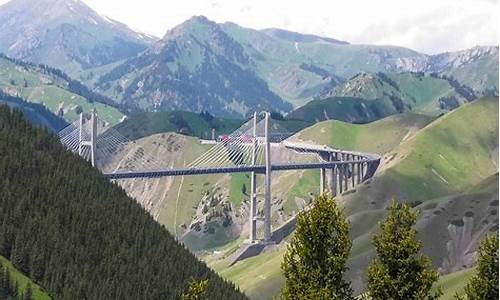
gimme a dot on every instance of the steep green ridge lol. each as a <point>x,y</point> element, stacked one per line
<point>36,113</point>
<point>452,154</point>
<point>65,220</point>
<point>52,88</point>
<point>23,281</point>
<point>378,137</point>
<point>367,97</point>
<point>188,123</point>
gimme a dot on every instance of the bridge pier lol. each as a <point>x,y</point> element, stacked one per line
<point>322,175</point>
<point>93,135</point>
<point>353,174</point>
<point>253,186</point>
<point>267,195</point>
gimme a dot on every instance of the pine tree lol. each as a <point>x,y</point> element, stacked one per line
<point>400,271</point>
<point>197,290</point>
<point>484,285</point>
<point>316,257</point>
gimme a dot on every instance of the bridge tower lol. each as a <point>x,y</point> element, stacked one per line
<point>82,143</point>
<point>267,192</point>
<point>253,185</point>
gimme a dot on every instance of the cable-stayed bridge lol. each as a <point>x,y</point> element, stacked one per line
<point>260,146</point>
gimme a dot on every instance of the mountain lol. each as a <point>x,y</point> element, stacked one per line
<point>370,96</point>
<point>230,70</point>
<point>195,67</point>
<point>476,67</point>
<point>55,90</point>
<point>78,235</point>
<point>66,34</point>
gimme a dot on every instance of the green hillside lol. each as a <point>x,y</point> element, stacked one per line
<point>62,96</point>
<point>367,97</point>
<point>23,281</point>
<point>377,137</point>
<point>452,154</point>
<point>80,236</point>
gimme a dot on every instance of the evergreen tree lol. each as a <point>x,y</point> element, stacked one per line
<point>315,259</point>
<point>484,285</point>
<point>197,290</point>
<point>400,271</point>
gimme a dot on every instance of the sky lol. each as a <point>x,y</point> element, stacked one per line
<point>429,26</point>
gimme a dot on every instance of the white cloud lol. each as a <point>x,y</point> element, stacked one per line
<point>426,25</point>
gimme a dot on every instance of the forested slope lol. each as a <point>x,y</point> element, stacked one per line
<point>80,236</point>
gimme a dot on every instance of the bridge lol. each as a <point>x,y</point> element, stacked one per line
<point>257,147</point>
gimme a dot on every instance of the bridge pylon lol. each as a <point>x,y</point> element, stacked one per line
<point>91,142</point>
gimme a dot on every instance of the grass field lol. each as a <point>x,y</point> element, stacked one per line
<point>23,281</point>
<point>454,283</point>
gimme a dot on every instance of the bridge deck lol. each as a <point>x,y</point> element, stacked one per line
<point>234,169</point>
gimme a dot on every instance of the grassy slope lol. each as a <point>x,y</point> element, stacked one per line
<point>454,283</point>
<point>23,281</point>
<point>378,137</point>
<point>51,93</point>
<point>452,154</point>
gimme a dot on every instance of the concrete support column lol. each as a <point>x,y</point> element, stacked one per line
<point>353,174</point>
<point>362,172</point>
<point>253,185</point>
<point>340,170</point>
<point>267,196</point>
<point>346,177</point>
<point>93,136</point>
<point>359,172</point>
<point>80,139</point>
<point>322,176</point>
<point>333,182</point>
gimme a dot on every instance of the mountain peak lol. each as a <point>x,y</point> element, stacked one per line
<point>31,29</point>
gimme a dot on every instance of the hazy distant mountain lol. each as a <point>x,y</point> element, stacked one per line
<point>66,34</point>
<point>476,67</point>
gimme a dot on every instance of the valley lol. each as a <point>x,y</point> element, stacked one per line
<point>100,123</point>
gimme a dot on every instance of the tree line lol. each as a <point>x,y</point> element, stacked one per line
<point>79,236</point>
<point>315,261</point>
